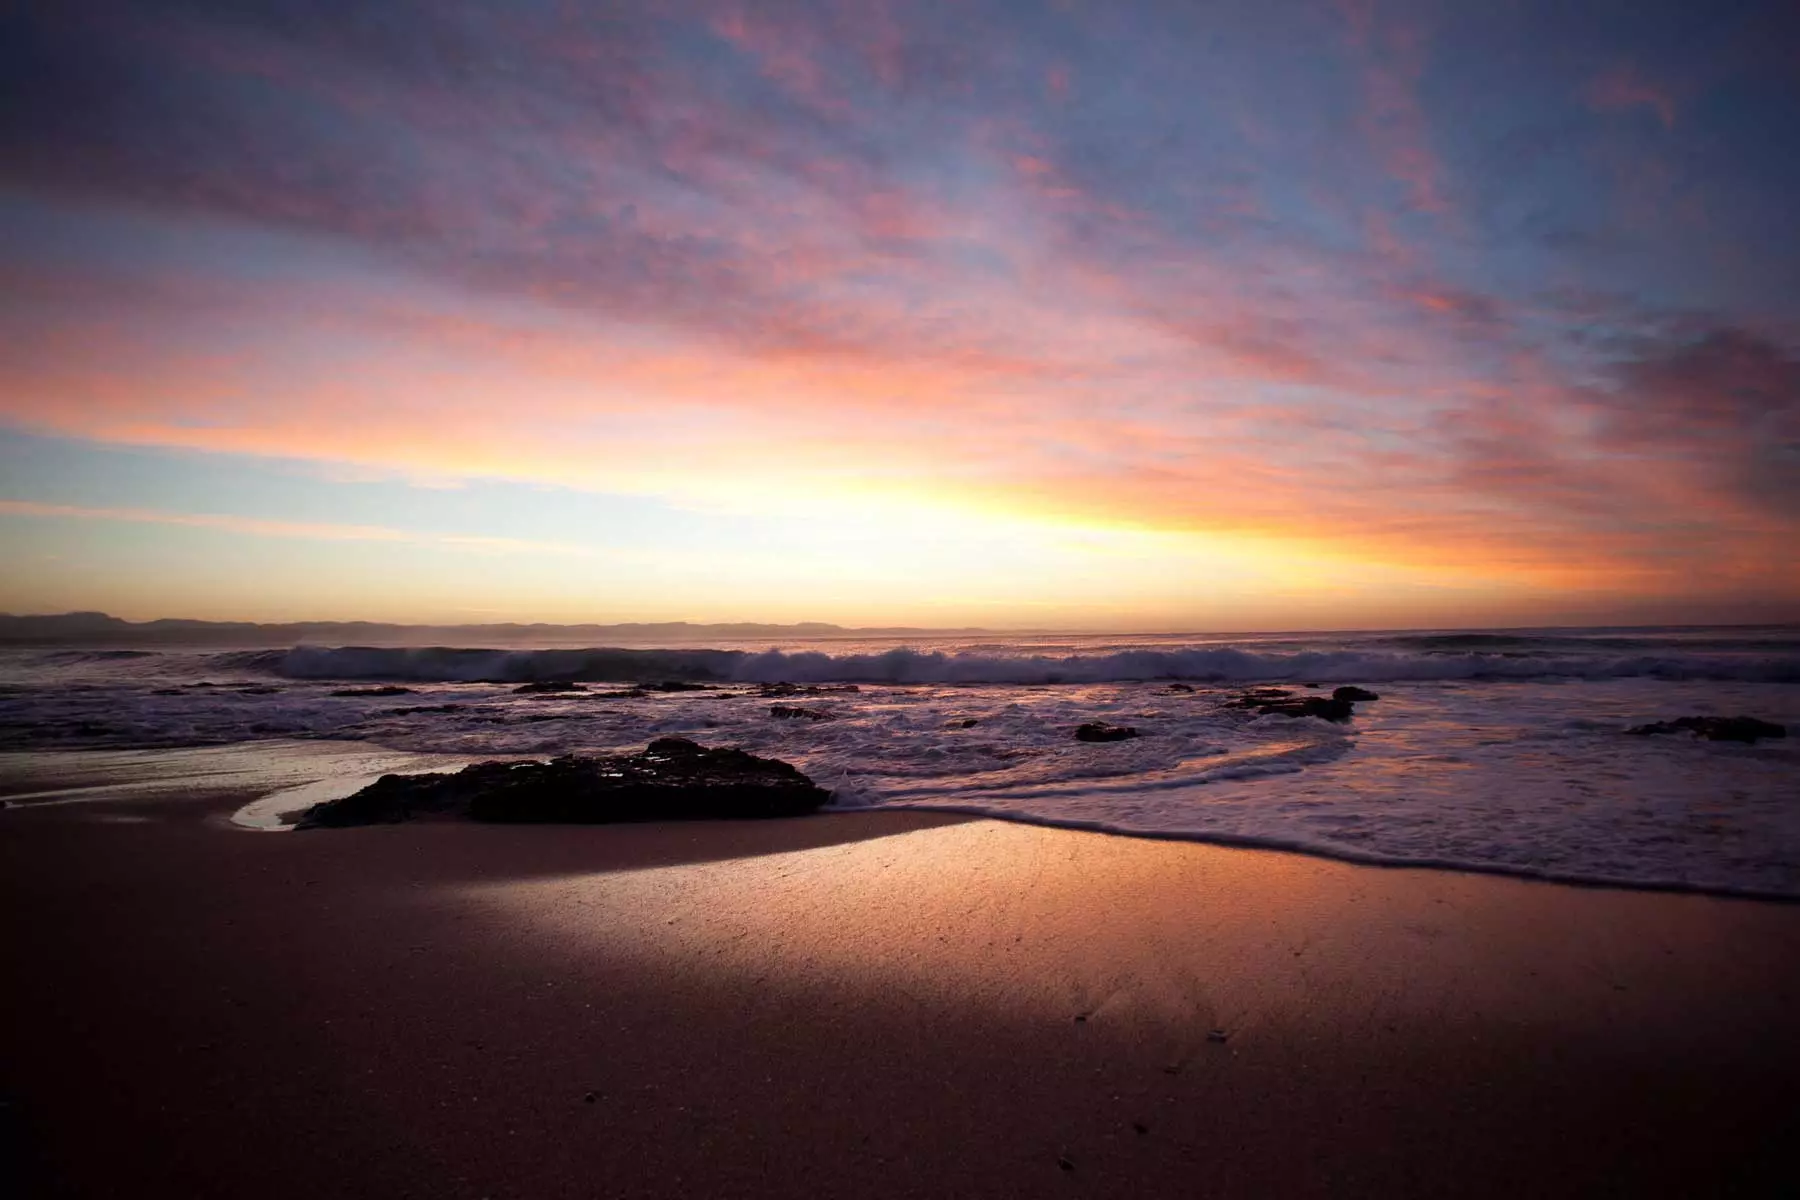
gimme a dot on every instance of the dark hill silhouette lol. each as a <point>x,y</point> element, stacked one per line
<point>100,629</point>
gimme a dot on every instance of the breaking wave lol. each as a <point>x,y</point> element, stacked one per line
<point>1210,664</point>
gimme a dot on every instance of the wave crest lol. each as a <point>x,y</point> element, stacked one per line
<point>1210,664</point>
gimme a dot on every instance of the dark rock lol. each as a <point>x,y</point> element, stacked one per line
<point>411,709</point>
<point>1100,731</point>
<point>792,712</point>
<point>1353,693</point>
<point>1311,706</point>
<point>1717,729</point>
<point>1062,1160</point>
<point>1140,1127</point>
<point>776,691</point>
<point>169,692</point>
<point>1180,687</point>
<point>544,687</point>
<point>258,690</point>
<point>676,685</point>
<point>1216,1035</point>
<point>965,723</point>
<point>1259,696</point>
<point>387,690</point>
<point>673,779</point>
<point>1280,702</point>
<point>627,694</point>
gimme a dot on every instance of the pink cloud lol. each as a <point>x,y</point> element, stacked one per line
<point>1392,57</point>
<point>1623,88</point>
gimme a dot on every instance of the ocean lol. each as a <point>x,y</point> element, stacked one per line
<point>1497,751</point>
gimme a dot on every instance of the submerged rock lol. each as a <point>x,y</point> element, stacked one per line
<point>386,690</point>
<point>1716,729</point>
<point>774,691</point>
<point>1100,731</point>
<point>673,779</point>
<point>1326,708</point>
<point>547,687</point>
<point>1260,695</point>
<point>1353,693</point>
<point>793,712</point>
<point>1281,702</point>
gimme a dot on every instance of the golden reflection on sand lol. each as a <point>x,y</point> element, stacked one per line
<point>1176,938</point>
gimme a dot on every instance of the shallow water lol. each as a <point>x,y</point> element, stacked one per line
<point>1495,751</point>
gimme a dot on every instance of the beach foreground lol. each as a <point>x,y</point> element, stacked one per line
<point>860,1004</point>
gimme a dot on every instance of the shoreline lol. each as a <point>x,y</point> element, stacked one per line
<point>288,765</point>
<point>1226,841</point>
<point>890,1003</point>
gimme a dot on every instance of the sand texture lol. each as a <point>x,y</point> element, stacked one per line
<point>860,1005</point>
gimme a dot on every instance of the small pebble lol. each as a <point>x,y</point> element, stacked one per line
<point>1216,1035</point>
<point>1062,1161</point>
<point>590,1098</point>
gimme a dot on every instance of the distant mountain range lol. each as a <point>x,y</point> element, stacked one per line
<point>99,629</point>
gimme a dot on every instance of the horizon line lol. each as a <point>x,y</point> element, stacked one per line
<point>837,628</point>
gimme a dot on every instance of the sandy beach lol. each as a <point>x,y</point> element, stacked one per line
<point>859,1005</point>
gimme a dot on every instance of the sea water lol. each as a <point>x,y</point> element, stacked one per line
<point>1503,751</point>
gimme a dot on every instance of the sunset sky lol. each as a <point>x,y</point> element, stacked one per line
<point>1088,314</point>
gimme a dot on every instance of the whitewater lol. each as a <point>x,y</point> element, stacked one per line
<point>1497,751</point>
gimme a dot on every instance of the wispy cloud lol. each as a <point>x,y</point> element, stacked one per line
<point>1391,55</point>
<point>314,531</point>
<point>1623,88</point>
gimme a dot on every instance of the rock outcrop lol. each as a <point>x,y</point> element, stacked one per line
<point>1100,731</point>
<point>1272,701</point>
<point>673,779</point>
<point>799,712</point>
<point>1349,692</point>
<point>1717,729</point>
<point>775,691</point>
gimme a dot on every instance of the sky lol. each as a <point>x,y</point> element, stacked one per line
<point>1099,315</point>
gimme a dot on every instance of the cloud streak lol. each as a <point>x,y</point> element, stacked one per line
<point>309,530</point>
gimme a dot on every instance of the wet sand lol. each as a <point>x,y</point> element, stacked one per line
<point>859,1005</point>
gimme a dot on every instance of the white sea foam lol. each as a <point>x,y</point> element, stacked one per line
<point>905,665</point>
